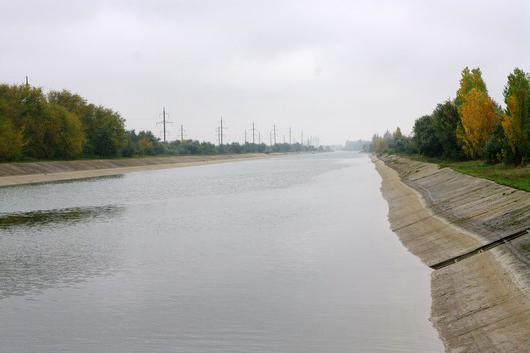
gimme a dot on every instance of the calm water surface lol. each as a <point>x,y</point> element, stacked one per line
<point>289,254</point>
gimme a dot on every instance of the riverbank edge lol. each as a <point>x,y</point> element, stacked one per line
<point>480,304</point>
<point>14,174</point>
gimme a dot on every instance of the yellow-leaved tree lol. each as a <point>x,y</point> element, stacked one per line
<point>479,121</point>
<point>478,114</point>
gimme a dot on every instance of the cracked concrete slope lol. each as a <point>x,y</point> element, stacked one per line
<point>480,304</point>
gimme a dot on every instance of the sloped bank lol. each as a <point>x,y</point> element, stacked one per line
<point>49,171</point>
<point>480,304</point>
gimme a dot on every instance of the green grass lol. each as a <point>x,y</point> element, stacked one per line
<point>515,177</point>
<point>509,175</point>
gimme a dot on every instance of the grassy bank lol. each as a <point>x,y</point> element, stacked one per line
<point>509,175</point>
<point>515,177</point>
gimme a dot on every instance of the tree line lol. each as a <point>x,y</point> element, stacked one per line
<point>63,125</point>
<point>472,126</point>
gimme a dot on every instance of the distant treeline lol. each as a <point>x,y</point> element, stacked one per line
<point>62,125</point>
<point>471,126</point>
<point>359,145</point>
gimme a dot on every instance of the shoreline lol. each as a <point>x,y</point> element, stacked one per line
<point>14,174</point>
<point>480,304</point>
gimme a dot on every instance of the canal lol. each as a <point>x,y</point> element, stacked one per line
<point>287,254</point>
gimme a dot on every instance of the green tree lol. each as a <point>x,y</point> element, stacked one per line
<point>425,137</point>
<point>105,133</point>
<point>104,128</point>
<point>446,121</point>
<point>11,142</point>
<point>399,142</point>
<point>516,123</point>
<point>496,148</point>
<point>65,137</point>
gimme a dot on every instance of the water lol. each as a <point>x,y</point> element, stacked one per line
<point>289,254</point>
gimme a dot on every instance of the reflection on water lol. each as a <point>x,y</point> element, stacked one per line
<point>51,248</point>
<point>64,216</point>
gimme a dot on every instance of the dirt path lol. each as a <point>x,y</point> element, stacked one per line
<point>480,304</point>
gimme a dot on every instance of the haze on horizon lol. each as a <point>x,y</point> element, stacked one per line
<point>336,69</point>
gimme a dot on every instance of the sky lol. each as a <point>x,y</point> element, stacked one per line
<point>334,69</point>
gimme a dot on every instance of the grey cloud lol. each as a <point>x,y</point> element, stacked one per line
<point>337,69</point>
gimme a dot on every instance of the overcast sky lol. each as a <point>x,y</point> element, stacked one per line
<point>337,69</point>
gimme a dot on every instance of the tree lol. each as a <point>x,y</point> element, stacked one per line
<point>425,137</point>
<point>149,144</point>
<point>105,133</point>
<point>11,142</point>
<point>34,120</point>
<point>479,121</point>
<point>446,121</point>
<point>397,134</point>
<point>516,122</point>
<point>399,143</point>
<point>379,144</point>
<point>103,127</point>
<point>470,79</point>
<point>66,136</point>
<point>74,103</point>
<point>496,149</point>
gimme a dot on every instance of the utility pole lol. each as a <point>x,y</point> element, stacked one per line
<point>253,134</point>
<point>270,138</point>
<point>221,132</point>
<point>259,138</point>
<point>245,136</point>
<point>181,133</point>
<point>302,137</point>
<point>164,121</point>
<point>274,128</point>
<point>27,82</point>
<point>289,135</point>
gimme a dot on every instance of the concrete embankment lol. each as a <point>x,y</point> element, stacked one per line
<point>479,304</point>
<point>42,172</point>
